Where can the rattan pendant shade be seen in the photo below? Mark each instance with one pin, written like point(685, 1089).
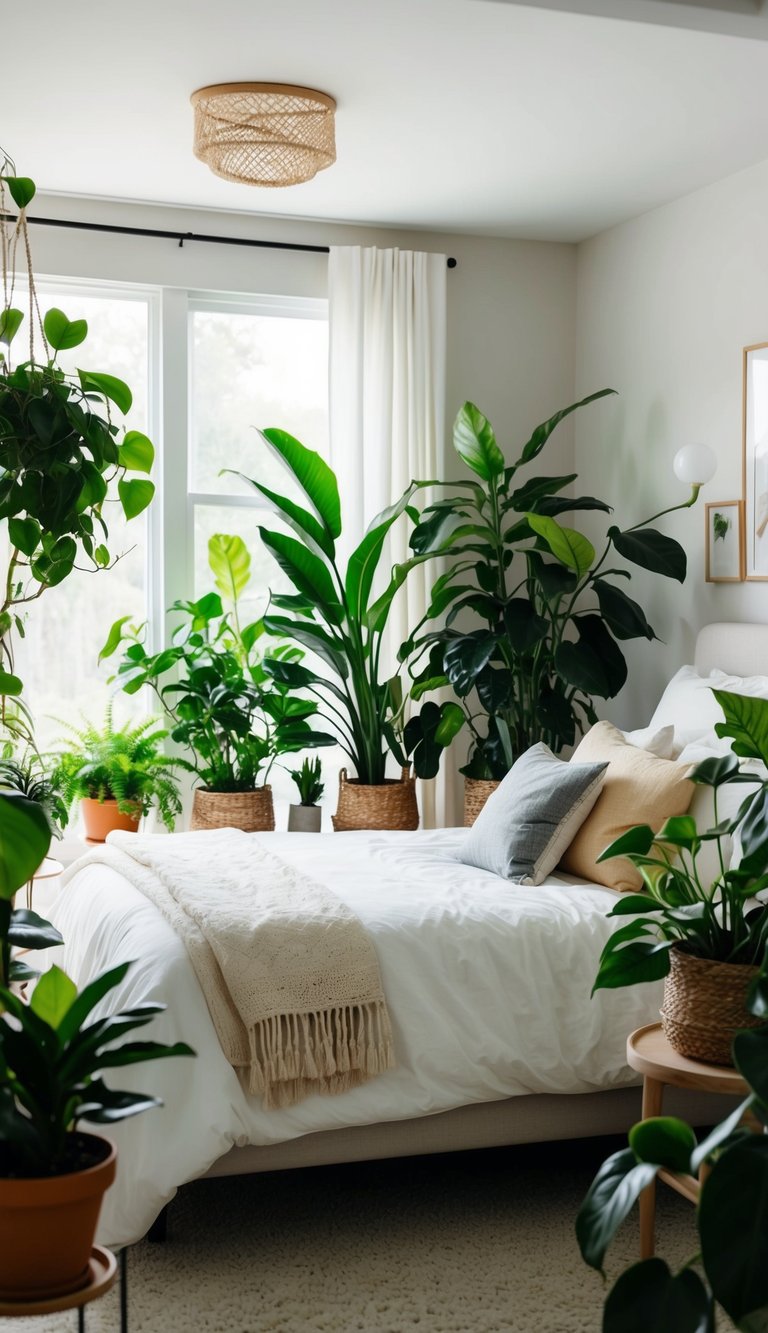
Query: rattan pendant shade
point(267, 134)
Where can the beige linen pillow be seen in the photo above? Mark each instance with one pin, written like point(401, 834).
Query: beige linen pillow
point(639, 788)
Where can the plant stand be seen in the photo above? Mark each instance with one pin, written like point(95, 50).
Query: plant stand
point(649, 1052)
point(104, 1271)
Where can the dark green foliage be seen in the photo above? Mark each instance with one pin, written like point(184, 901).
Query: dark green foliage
point(308, 781)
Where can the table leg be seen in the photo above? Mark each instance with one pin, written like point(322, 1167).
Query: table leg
point(81, 1319)
point(653, 1094)
point(124, 1289)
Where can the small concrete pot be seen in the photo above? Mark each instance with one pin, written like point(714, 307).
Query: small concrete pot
point(304, 818)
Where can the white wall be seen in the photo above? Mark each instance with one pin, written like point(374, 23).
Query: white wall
point(665, 304)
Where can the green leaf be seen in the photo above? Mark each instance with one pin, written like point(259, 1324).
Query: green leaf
point(570, 547)
point(313, 475)
point(114, 638)
point(535, 489)
point(89, 997)
point(475, 443)
point(568, 504)
point(612, 1194)
point(665, 1141)
point(135, 495)
point(53, 995)
point(680, 831)
point(109, 386)
point(595, 664)
point(62, 333)
point(450, 724)
point(307, 573)
point(25, 837)
point(624, 617)
point(364, 560)
point(465, 657)
point(750, 1056)
point(733, 1229)
point(24, 534)
point(21, 190)
point(542, 433)
point(137, 452)
point(10, 685)
point(11, 320)
point(27, 930)
point(641, 960)
point(636, 841)
point(715, 771)
point(230, 563)
point(651, 550)
point(647, 1298)
point(746, 722)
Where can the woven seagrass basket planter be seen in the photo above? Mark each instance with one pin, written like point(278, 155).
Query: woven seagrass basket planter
point(251, 811)
point(387, 805)
point(705, 1005)
point(476, 793)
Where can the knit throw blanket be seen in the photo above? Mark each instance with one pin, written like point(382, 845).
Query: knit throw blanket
point(289, 974)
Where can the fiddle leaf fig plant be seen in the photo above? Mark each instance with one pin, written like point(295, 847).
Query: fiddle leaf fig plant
point(529, 616)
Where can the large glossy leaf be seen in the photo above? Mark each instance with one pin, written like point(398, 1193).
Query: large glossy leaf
point(534, 489)
point(27, 930)
point(615, 1189)
point(136, 452)
point(308, 528)
point(364, 560)
point(542, 433)
point(640, 960)
point(230, 562)
point(135, 495)
point(376, 616)
point(53, 996)
point(25, 837)
point(595, 664)
point(553, 579)
point(753, 835)
point(465, 658)
point(746, 722)
point(624, 617)
point(89, 997)
point(475, 442)
point(648, 1298)
point(21, 190)
point(11, 320)
point(109, 386)
point(307, 572)
point(313, 475)
point(524, 625)
point(733, 1229)
point(651, 550)
point(665, 1141)
point(24, 534)
point(553, 505)
point(313, 637)
point(62, 333)
point(570, 547)
point(637, 841)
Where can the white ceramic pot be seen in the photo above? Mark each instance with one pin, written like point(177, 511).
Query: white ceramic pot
point(304, 818)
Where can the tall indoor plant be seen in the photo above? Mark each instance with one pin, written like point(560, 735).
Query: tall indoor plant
point(233, 717)
point(545, 612)
point(334, 614)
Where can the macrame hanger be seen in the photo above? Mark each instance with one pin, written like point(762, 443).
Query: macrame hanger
point(9, 248)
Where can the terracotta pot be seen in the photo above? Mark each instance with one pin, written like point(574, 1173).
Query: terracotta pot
point(476, 793)
point(387, 805)
point(705, 1006)
point(47, 1226)
point(251, 811)
point(304, 818)
point(103, 817)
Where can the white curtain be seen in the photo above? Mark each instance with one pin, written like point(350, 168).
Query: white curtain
point(387, 311)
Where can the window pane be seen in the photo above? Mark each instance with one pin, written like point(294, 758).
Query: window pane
point(66, 628)
point(249, 372)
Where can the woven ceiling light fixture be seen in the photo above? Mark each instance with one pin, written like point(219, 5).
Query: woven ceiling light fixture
point(264, 133)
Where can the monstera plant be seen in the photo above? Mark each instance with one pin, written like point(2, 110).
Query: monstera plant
point(529, 616)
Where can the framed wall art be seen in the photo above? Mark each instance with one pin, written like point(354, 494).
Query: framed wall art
point(725, 542)
point(755, 404)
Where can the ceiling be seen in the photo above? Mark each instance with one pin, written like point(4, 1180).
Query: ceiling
point(483, 116)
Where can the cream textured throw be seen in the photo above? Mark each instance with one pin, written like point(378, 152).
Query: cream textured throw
point(289, 974)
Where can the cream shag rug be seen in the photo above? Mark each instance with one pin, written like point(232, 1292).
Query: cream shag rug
point(467, 1243)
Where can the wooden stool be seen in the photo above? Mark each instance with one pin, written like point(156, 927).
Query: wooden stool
point(649, 1052)
point(104, 1267)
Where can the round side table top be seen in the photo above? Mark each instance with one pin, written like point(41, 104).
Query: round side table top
point(649, 1052)
point(102, 1278)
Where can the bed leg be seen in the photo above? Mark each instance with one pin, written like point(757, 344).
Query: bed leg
point(158, 1232)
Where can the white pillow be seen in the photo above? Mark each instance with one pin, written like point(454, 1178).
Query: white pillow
point(689, 705)
point(660, 742)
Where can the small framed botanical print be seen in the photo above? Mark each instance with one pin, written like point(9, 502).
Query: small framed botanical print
point(725, 542)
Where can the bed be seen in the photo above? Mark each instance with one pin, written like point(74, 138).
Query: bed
point(488, 987)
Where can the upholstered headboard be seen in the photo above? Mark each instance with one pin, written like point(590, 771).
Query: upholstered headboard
point(739, 649)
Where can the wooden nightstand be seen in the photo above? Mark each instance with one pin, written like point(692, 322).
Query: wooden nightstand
point(649, 1052)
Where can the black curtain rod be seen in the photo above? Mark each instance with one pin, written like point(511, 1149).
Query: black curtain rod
point(182, 236)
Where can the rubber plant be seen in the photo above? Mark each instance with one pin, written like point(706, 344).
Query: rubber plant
point(333, 611)
point(545, 612)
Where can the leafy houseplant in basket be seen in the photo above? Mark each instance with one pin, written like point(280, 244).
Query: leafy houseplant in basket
point(706, 932)
point(53, 1053)
point(546, 613)
point(730, 1272)
point(332, 613)
point(233, 717)
point(118, 774)
point(307, 816)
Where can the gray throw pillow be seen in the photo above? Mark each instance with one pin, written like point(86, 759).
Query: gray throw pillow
point(526, 825)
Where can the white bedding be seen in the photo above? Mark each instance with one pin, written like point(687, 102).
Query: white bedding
point(488, 986)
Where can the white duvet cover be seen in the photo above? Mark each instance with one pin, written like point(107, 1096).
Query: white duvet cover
point(488, 986)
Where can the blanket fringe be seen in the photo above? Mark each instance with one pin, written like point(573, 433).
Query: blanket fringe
point(329, 1051)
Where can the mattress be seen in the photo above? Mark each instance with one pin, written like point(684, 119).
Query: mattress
point(488, 985)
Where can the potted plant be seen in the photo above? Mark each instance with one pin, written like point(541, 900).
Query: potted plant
point(231, 715)
point(546, 611)
point(118, 774)
point(705, 933)
point(307, 816)
point(333, 613)
point(729, 1272)
point(33, 777)
point(52, 1174)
